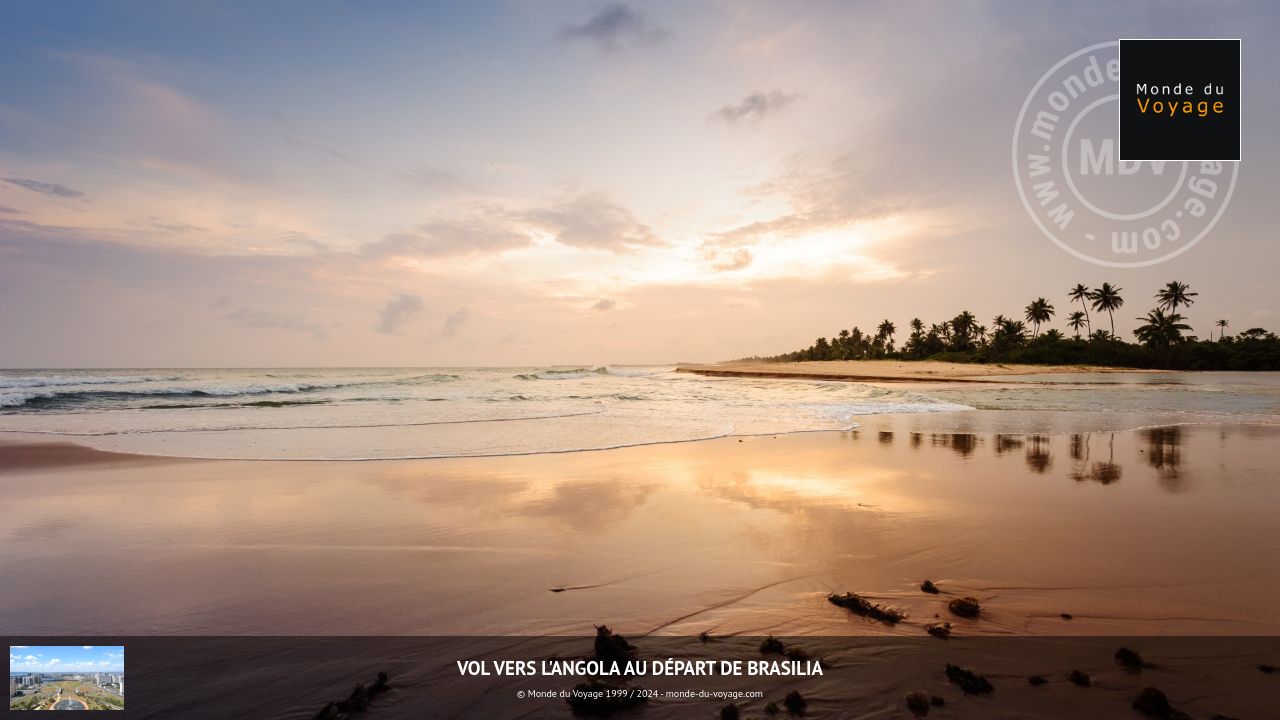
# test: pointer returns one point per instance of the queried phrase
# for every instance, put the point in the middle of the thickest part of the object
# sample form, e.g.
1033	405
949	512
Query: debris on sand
918	704
357	702
1079	678
971	683
1066	616
704	636
599	699
1130	659
1154	703
1268	669
929	587
965	607
729	712
861	606
772	708
1037	680
612	647
772	646
795	703
939	630
796	653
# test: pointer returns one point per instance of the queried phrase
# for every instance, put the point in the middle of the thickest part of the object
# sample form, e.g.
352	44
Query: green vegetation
1164	339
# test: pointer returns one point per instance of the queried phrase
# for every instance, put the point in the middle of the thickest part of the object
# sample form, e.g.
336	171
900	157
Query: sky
66	658
214	184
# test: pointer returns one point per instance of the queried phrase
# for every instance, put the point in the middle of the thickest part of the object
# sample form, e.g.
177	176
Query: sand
890	370
1137	534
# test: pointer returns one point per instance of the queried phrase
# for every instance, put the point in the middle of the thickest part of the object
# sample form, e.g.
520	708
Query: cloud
455	322
45	188
87	647
255	318
604	304
727	260
10	210
755	107
399	309
176	227
446	239
824	195
614	27
593	222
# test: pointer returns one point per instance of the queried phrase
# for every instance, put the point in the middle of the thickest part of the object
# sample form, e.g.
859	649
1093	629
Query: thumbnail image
66	677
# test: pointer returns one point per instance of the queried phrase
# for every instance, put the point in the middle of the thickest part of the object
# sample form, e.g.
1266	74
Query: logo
1070	178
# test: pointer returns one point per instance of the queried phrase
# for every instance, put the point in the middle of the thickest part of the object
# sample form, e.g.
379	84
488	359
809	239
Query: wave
65	397
255	403
434	377
64	380
586	372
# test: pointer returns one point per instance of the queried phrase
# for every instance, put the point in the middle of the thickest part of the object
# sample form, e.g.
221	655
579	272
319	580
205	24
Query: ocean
375	413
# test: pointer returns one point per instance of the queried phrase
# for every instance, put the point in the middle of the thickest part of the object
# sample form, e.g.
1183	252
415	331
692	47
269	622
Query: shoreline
896	370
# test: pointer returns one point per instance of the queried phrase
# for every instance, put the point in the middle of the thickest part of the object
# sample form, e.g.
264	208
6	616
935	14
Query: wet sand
1137	528
889	370
1154	531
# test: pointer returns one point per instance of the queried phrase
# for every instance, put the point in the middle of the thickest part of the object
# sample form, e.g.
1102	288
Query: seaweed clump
970	682
1130	659
861	606
357	702
919	703
1080	678
611	646
929	587
795	703
939	630
1152	702
772	646
600	699
729	712
965	607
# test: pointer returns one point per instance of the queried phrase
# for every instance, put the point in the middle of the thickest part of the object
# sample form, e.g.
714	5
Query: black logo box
1186	67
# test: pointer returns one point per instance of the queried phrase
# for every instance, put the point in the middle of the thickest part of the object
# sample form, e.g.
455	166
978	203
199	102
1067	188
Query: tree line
1164	338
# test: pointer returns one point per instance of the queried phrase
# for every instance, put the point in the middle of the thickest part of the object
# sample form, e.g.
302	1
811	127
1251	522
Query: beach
890	370
1152	519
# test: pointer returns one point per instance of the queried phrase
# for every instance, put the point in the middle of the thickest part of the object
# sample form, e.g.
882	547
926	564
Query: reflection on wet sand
720	535
1103	472
1164	453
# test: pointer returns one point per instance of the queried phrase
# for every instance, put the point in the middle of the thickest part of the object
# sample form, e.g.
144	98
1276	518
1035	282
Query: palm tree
1077	320
1222	329
885	332
963	326
1174	294
1039	311
1080	294
1160	330
1107	298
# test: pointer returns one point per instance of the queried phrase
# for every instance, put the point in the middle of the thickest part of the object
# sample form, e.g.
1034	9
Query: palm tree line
1162	327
